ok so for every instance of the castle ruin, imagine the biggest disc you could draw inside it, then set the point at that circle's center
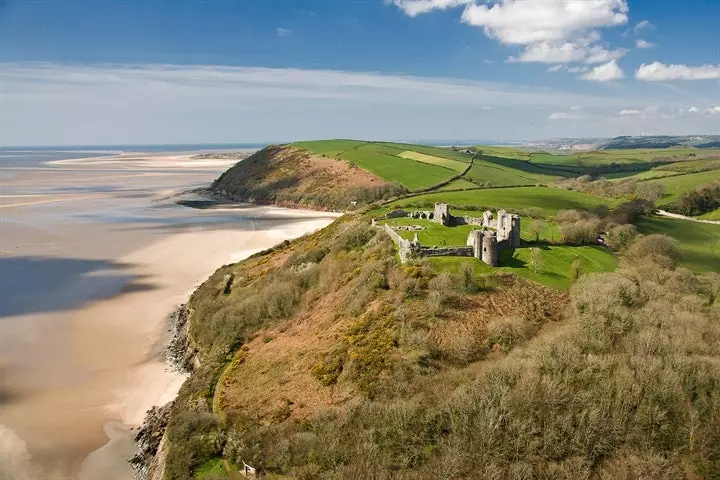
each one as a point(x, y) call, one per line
point(495, 234)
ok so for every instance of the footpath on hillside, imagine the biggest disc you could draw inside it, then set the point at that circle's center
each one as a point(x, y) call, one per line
point(683, 217)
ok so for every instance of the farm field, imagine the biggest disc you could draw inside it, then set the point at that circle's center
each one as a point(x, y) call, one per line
point(505, 152)
point(418, 167)
point(434, 160)
point(548, 200)
point(678, 184)
point(607, 157)
point(408, 173)
point(396, 148)
point(699, 242)
point(329, 148)
point(458, 184)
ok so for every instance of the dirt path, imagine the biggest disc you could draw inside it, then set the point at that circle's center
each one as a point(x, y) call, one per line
point(683, 217)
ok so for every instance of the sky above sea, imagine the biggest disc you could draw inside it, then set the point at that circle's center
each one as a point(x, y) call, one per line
point(229, 71)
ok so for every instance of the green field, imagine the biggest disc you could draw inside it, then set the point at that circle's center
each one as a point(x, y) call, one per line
point(699, 242)
point(409, 173)
point(419, 167)
point(329, 148)
point(555, 263)
point(714, 215)
point(458, 184)
point(620, 157)
point(678, 184)
point(548, 200)
point(504, 152)
point(434, 160)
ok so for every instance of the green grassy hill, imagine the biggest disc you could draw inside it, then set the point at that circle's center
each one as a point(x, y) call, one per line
point(678, 184)
point(549, 200)
point(699, 242)
point(421, 167)
point(325, 358)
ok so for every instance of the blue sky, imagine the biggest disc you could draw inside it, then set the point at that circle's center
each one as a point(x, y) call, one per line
point(139, 71)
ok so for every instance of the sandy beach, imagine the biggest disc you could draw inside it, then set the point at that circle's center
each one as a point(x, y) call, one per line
point(97, 254)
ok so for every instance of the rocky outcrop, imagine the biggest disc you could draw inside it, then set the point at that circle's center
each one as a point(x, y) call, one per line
point(149, 459)
point(181, 355)
point(148, 439)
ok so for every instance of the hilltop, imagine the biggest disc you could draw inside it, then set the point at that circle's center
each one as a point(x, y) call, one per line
point(589, 351)
point(324, 358)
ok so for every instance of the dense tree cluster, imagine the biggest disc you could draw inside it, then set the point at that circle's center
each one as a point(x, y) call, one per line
point(701, 200)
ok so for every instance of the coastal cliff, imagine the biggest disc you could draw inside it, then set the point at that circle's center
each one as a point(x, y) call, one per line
point(292, 177)
point(326, 358)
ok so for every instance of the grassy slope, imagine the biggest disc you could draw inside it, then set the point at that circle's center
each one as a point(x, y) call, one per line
point(355, 365)
point(607, 157)
point(555, 263)
point(678, 184)
point(549, 200)
point(384, 159)
point(409, 173)
point(556, 260)
point(294, 177)
point(699, 242)
point(435, 160)
point(714, 215)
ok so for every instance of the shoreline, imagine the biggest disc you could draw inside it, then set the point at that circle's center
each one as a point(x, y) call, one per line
point(155, 382)
point(109, 256)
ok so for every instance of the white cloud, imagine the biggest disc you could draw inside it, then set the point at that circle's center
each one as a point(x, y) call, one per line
point(693, 109)
point(523, 22)
point(413, 8)
point(660, 72)
point(629, 112)
point(556, 68)
point(552, 31)
point(641, 25)
point(640, 43)
point(604, 73)
point(567, 52)
point(283, 32)
point(576, 107)
point(61, 104)
point(560, 116)
point(713, 110)
point(578, 69)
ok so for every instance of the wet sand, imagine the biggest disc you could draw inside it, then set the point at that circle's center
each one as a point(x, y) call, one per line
point(95, 255)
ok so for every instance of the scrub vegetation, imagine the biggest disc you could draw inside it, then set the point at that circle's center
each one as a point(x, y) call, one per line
point(341, 363)
point(591, 353)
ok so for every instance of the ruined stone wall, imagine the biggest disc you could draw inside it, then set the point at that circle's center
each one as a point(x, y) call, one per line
point(445, 252)
point(404, 246)
point(468, 221)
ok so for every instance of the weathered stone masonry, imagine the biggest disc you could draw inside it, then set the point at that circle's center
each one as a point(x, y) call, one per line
point(485, 243)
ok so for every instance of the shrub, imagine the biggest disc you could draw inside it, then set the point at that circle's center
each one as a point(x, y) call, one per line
point(653, 246)
point(620, 237)
point(509, 331)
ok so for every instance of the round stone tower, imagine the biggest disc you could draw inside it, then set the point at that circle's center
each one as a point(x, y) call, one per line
point(489, 249)
point(515, 232)
point(475, 240)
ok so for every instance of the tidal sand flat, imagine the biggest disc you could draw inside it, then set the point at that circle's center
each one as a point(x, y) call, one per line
point(95, 255)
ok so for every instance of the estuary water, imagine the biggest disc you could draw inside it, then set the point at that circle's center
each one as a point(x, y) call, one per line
point(95, 253)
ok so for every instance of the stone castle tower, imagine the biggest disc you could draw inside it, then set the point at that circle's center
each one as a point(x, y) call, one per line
point(442, 214)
